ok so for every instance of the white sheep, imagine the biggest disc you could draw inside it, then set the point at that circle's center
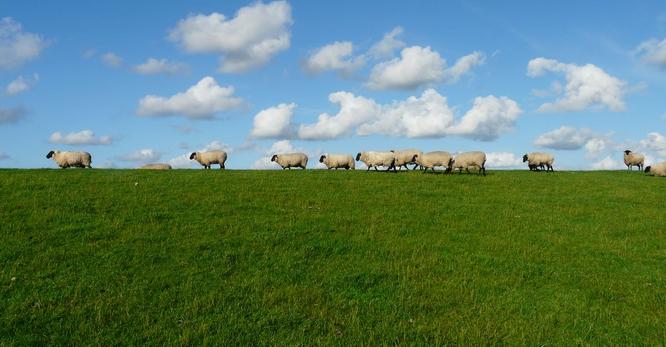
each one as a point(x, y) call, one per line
point(632, 159)
point(470, 159)
point(338, 161)
point(70, 159)
point(209, 158)
point(432, 159)
point(156, 166)
point(538, 159)
point(404, 157)
point(656, 169)
point(375, 159)
point(289, 160)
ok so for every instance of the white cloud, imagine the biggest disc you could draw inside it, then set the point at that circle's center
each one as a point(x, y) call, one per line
point(416, 117)
point(607, 163)
point(20, 85)
point(337, 56)
point(569, 138)
point(216, 145)
point(587, 86)
point(274, 122)
point(83, 137)
point(111, 59)
point(143, 156)
point(490, 117)
point(203, 100)
point(653, 51)
point(354, 110)
point(463, 65)
point(655, 142)
point(250, 39)
point(389, 44)
point(503, 160)
point(12, 115)
point(160, 66)
point(17, 46)
point(417, 66)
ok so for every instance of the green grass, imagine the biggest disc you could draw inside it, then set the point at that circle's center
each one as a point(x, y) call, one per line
point(109, 257)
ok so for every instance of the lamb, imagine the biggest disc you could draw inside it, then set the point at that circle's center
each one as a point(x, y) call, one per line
point(375, 159)
point(208, 158)
point(470, 159)
point(289, 160)
point(656, 169)
point(71, 159)
point(406, 156)
point(338, 161)
point(156, 166)
point(632, 159)
point(431, 159)
point(538, 159)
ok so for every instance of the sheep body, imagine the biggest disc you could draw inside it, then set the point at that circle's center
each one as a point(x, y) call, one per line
point(338, 161)
point(405, 156)
point(539, 159)
point(632, 159)
point(156, 166)
point(657, 169)
point(209, 158)
point(71, 159)
point(375, 159)
point(289, 160)
point(470, 159)
point(432, 159)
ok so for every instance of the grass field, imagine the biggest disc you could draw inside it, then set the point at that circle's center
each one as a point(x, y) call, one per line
point(270, 257)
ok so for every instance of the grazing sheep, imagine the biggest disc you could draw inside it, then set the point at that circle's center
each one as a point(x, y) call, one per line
point(404, 157)
point(338, 161)
point(431, 159)
point(656, 169)
point(470, 159)
point(70, 159)
point(289, 160)
point(375, 159)
point(209, 158)
point(632, 159)
point(538, 159)
point(156, 166)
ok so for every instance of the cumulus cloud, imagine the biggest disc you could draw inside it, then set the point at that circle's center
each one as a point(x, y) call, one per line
point(416, 66)
point(273, 122)
point(428, 115)
point(607, 163)
point(653, 51)
point(419, 66)
point(655, 142)
point(111, 59)
point(587, 86)
point(83, 137)
point(143, 156)
point(337, 56)
point(203, 100)
point(463, 66)
point(503, 160)
point(154, 66)
point(389, 44)
point(17, 46)
point(250, 39)
point(566, 138)
point(12, 115)
point(20, 85)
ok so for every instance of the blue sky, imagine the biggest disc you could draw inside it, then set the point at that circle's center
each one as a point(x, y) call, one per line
point(583, 80)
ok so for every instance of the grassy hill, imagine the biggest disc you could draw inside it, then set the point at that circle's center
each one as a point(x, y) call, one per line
point(292, 257)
